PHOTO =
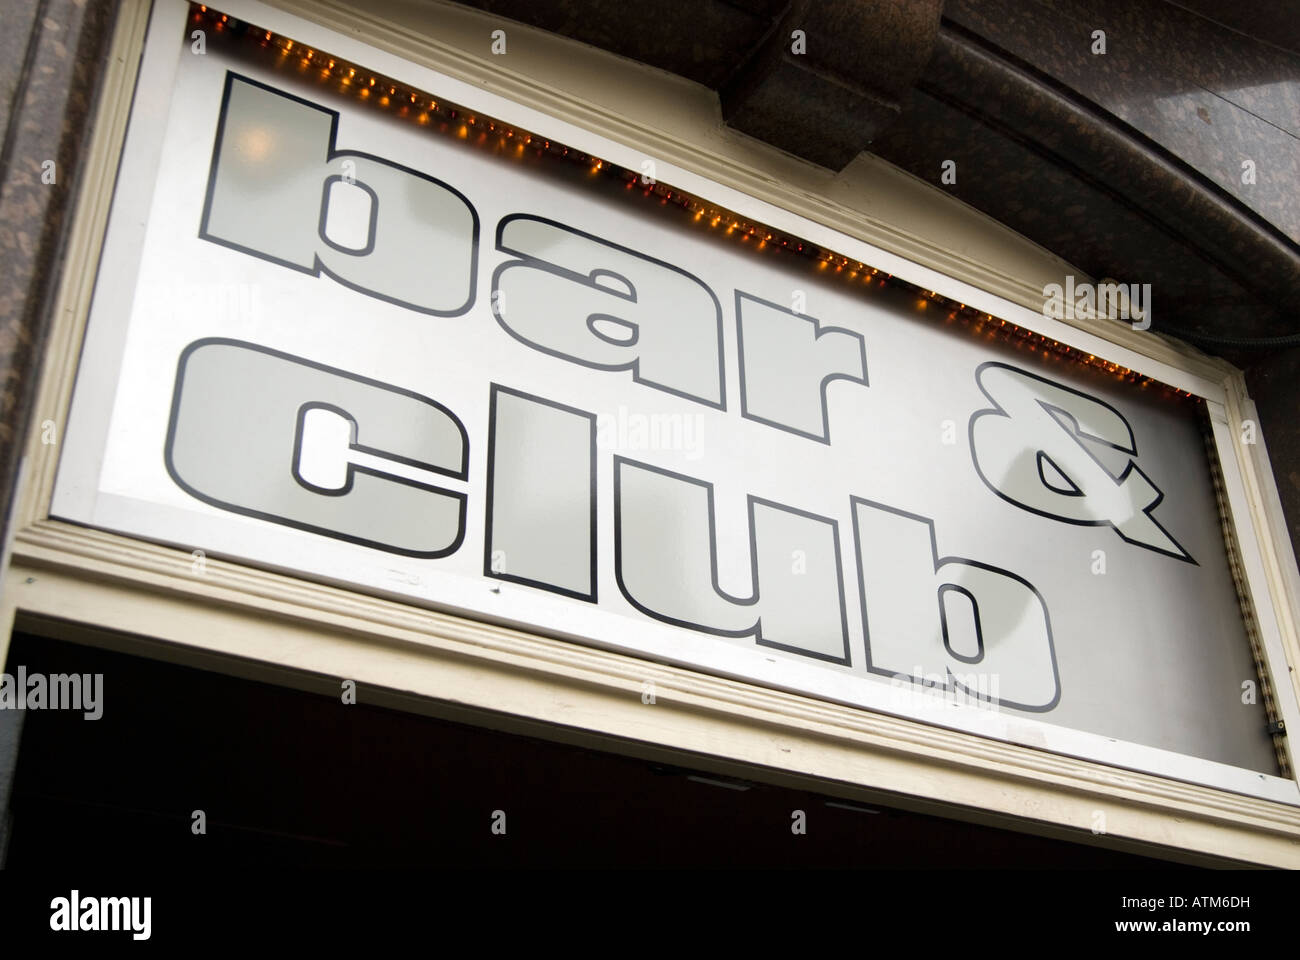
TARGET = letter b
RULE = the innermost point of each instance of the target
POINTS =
(946, 613)
(280, 190)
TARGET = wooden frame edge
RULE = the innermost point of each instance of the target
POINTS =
(1268, 522)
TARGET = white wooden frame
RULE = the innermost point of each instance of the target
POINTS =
(113, 586)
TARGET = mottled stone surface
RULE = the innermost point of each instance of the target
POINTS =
(1274, 22)
(1208, 95)
(831, 75)
(1070, 178)
(16, 21)
(53, 95)
(703, 40)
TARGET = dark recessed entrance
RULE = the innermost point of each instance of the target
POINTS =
(292, 778)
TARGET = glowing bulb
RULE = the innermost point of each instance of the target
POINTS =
(256, 143)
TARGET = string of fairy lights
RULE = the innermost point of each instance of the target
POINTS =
(451, 119)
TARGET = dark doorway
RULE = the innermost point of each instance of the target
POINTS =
(291, 778)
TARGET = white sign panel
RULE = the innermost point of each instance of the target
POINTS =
(333, 340)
